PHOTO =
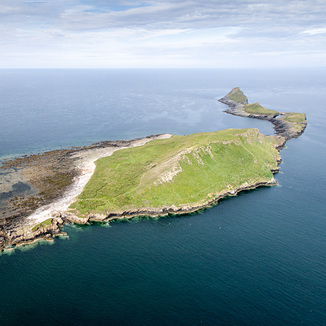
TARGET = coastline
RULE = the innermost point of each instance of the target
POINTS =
(173, 210)
(86, 165)
(25, 235)
(57, 214)
(18, 230)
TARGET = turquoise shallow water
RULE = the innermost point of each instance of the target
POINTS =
(256, 259)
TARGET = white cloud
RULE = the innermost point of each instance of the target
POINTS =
(315, 31)
(165, 33)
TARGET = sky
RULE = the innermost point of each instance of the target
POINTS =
(162, 34)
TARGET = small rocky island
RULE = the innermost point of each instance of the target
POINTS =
(154, 176)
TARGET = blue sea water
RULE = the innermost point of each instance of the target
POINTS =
(256, 259)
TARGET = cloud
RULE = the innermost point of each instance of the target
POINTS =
(315, 31)
(202, 14)
(85, 15)
(160, 33)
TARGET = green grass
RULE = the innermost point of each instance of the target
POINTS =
(44, 223)
(256, 108)
(210, 162)
(294, 117)
(297, 120)
(237, 95)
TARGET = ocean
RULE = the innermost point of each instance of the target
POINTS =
(255, 259)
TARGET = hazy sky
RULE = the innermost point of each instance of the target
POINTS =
(207, 33)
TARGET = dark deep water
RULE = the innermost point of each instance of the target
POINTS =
(256, 259)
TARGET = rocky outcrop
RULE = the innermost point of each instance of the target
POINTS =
(69, 217)
(13, 236)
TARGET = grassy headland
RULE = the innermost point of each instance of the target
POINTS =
(183, 171)
(297, 121)
(256, 108)
(294, 117)
(237, 95)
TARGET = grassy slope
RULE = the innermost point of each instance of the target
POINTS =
(211, 163)
(237, 96)
(294, 117)
(298, 121)
(44, 223)
(256, 108)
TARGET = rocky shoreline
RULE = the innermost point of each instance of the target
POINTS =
(16, 230)
(172, 210)
(15, 237)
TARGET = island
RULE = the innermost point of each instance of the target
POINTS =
(177, 175)
(155, 176)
